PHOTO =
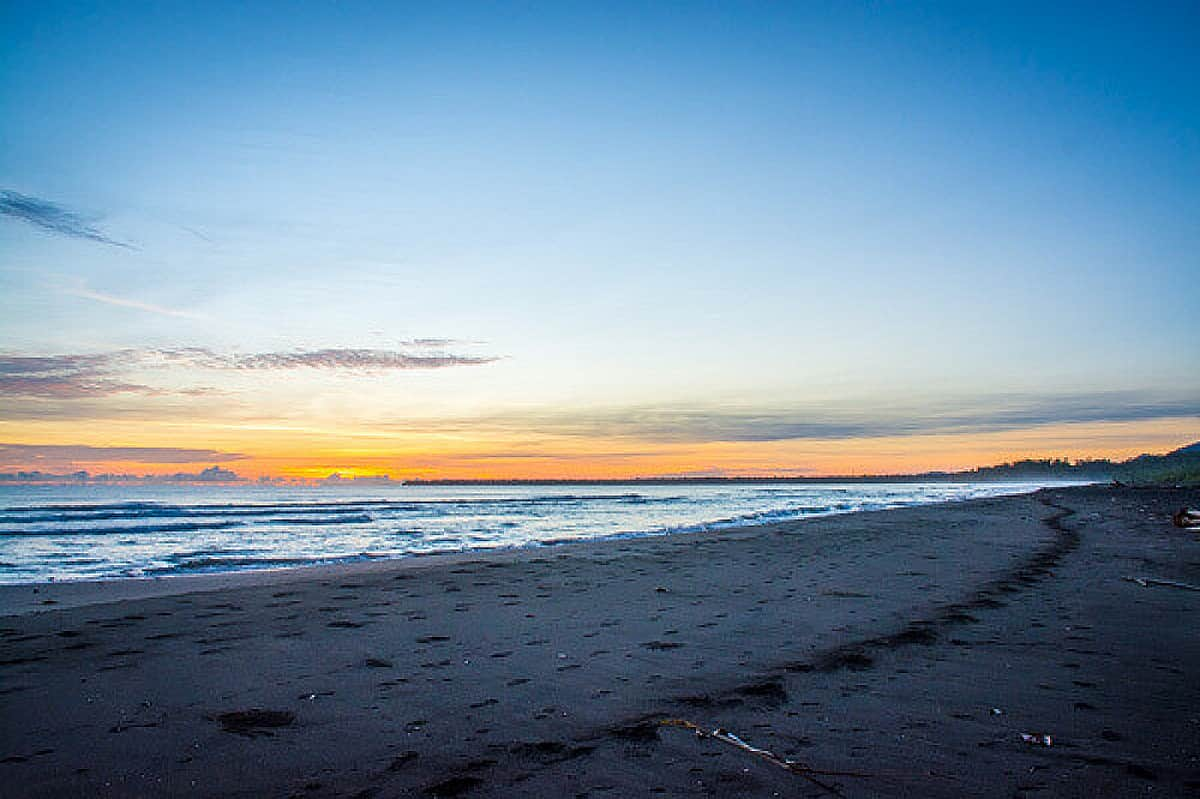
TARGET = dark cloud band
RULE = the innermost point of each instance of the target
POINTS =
(52, 218)
(66, 376)
(71, 455)
(866, 419)
(94, 375)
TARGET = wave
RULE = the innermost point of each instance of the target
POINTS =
(319, 521)
(181, 527)
(175, 511)
(769, 516)
(222, 564)
(51, 513)
(240, 563)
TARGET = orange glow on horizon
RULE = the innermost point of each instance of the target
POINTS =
(283, 454)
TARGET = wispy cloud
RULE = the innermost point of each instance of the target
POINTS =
(863, 419)
(53, 218)
(73, 456)
(93, 375)
(438, 342)
(333, 358)
(550, 455)
(357, 359)
(124, 302)
(67, 376)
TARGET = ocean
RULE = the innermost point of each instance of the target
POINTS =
(88, 532)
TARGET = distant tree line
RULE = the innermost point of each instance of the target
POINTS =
(1180, 467)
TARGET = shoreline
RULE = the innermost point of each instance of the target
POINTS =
(20, 598)
(909, 648)
(166, 535)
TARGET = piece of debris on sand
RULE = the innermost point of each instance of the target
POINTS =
(255, 721)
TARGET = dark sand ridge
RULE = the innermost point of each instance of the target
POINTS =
(877, 643)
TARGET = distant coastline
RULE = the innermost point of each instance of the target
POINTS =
(932, 477)
(1178, 467)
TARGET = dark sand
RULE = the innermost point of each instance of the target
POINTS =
(877, 643)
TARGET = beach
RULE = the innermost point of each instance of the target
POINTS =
(885, 653)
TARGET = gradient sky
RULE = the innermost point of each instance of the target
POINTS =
(598, 239)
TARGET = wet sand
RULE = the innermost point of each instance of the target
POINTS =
(910, 647)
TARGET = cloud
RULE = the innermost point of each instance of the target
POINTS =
(71, 456)
(66, 376)
(435, 342)
(329, 358)
(123, 302)
(52, 217)
(213, 474)
(357, 359)
(551, 455)
(864, 419)
(82, 376)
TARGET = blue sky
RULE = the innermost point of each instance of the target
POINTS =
(713, 211)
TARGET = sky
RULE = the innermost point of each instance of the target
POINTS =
(596, 239)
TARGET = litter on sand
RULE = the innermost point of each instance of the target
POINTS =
(1187, 519)
(1037, 739)
(796, 767)
(1146, 582)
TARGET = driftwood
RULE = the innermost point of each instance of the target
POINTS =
(794, 766)
(1146, 582)
(1187, 519)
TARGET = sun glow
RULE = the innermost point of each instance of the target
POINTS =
(283, 454)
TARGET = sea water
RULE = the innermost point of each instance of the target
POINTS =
(111, 531)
